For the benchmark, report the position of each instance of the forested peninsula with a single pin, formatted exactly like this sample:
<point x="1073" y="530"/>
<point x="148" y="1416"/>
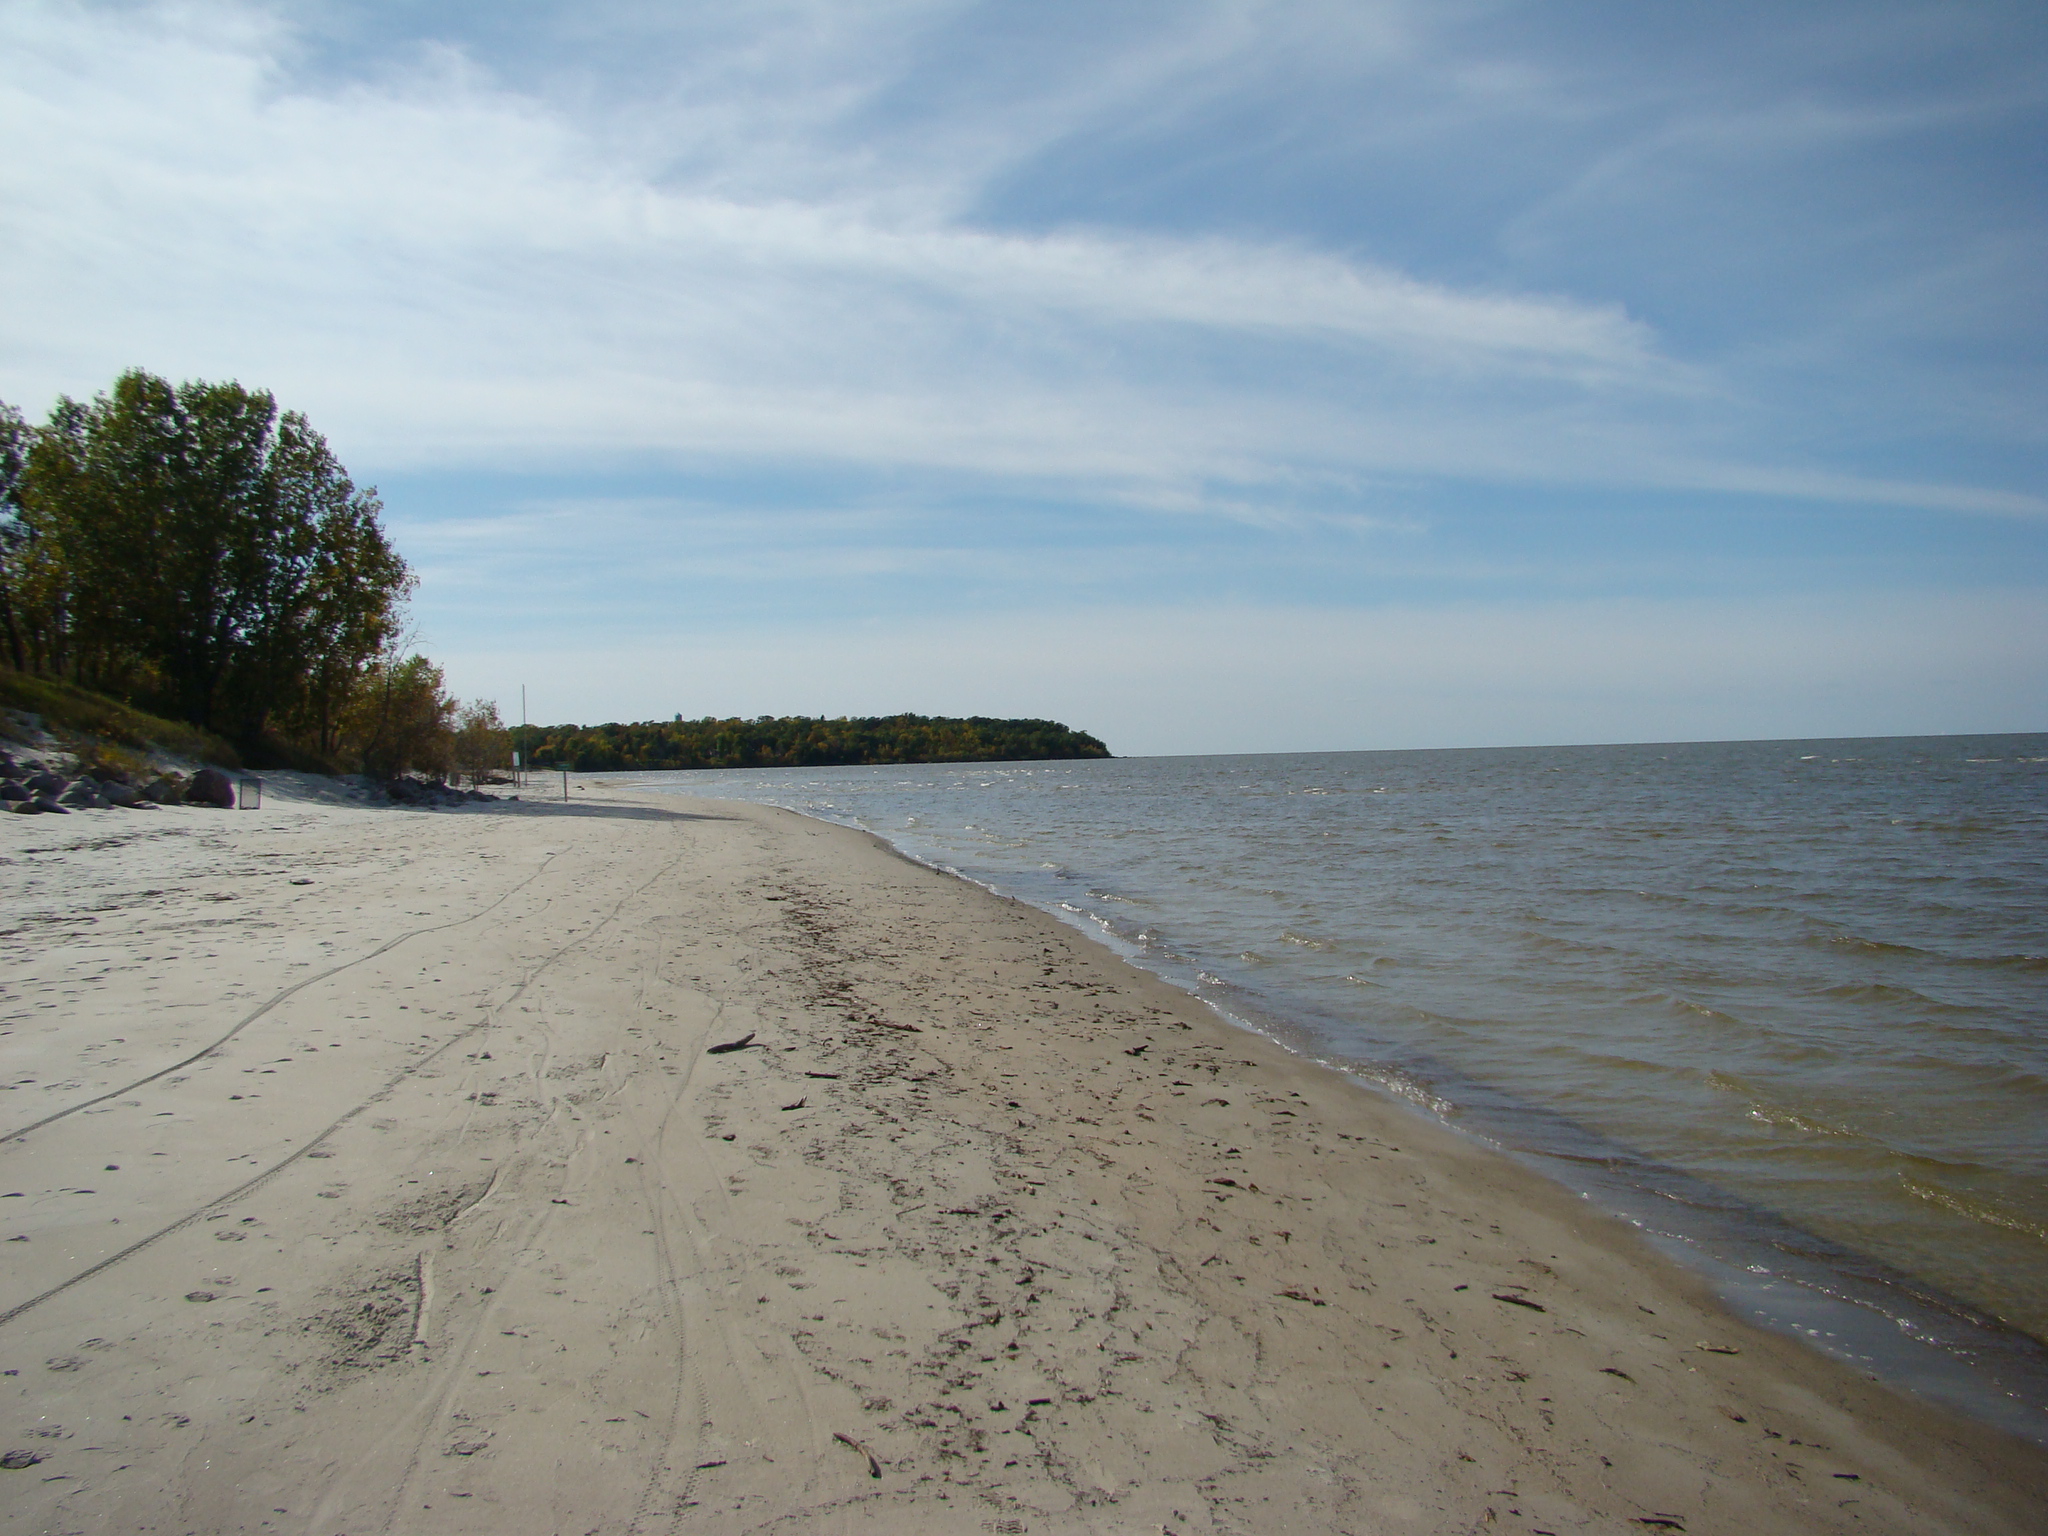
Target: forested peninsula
<point x="799" y="742"/>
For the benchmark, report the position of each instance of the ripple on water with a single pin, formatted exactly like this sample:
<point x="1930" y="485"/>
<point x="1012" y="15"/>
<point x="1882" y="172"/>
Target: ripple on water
<point x="1789" y="1119"/>
<point x="1849" y="943"/>
<point x="1988" y="1212"/>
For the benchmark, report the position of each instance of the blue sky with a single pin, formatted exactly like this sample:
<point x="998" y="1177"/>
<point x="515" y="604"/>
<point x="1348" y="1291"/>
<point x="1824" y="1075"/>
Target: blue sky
<point x="1217" y="375"/>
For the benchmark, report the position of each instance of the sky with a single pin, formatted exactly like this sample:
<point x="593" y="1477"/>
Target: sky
<point x="1214" y="375"/>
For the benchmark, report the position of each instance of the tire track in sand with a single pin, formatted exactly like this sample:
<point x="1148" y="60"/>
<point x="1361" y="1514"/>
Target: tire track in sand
<point x="441" y="1401"/>
<point x="391" y="1084"/>
<point x="289" y="992"/>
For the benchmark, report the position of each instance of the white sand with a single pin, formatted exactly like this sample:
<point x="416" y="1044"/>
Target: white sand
<point x="464" y="1230"/>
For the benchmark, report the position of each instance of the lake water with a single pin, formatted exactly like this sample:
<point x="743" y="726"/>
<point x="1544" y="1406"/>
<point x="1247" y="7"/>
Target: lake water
<point x="1782" y="1004"/>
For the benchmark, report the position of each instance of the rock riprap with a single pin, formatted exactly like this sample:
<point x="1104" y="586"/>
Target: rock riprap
<point x="210" y="786"/>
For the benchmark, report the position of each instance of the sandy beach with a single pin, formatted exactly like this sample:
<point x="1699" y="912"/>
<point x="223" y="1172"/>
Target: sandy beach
<point x="981" y="1229"/>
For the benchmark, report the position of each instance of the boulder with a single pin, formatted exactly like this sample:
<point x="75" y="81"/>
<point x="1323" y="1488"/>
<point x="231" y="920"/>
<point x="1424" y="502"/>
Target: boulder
<point x="168" y="790"/>
<point x="48" y="807"/>
<point x="45" y="783"/>
<point x="14" y="789"/>
<point x="120" y="794"/>
<point x="24" y="807"/>
<point x="83" y="795"/>
<point x="210" y="786"/>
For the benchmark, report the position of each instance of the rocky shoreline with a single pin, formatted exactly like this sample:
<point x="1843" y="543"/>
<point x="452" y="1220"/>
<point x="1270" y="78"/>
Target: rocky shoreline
<point x="50" y="778"/>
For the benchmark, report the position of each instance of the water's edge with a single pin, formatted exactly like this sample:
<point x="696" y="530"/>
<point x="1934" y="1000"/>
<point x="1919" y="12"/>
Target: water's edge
<point x="1856" y="1310"/>
<point x="1846" y="1305"/>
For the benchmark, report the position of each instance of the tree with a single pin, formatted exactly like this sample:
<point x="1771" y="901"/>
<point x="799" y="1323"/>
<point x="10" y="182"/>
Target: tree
<point x="193" y="544"/>
<point x="482" y="743"/>
<point x="399" y="717"/>
<point x="325" y="601"/>
<point x="21" y="617"/>
<point x="15" y="435"/>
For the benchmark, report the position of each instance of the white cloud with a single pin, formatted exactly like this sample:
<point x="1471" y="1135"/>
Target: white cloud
<point x="441" y="269"/>
<point x="663" y="247"/>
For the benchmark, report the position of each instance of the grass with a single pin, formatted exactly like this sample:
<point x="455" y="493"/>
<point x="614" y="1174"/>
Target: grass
<point x="84" y="718"/>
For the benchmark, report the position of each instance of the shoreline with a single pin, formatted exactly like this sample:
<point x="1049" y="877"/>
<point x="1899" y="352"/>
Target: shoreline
<point x="981" y="1208"/>
<point x="1858" y="1311"/>
<point x="1861" y="1310"/>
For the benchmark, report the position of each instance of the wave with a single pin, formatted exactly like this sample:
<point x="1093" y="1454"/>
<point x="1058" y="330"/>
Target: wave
<point x="1891" y="994"/>
<point x="1790" y="1119"/>
<point x="1134" y="901"/>
<point x="1982" y="1211"/>
<point x="1851" y="944"/>
<point x="1686" y="1008"/>
<point x="1305" y="941"/>
<point x="1982" y="1083"/>
<point x="2024" y="963"/>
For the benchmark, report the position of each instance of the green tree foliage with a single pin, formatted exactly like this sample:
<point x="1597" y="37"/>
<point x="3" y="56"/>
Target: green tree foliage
<point x="192" y="547"/>
<point x="400" y="718"/>
<point x="32" y="591"/>
<point x="15" y="437"/>
<point x="799" y="741"/>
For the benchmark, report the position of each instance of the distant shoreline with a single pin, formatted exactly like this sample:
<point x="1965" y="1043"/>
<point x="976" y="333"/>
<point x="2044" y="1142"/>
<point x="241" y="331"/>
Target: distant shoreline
<point x="799" y="741"/>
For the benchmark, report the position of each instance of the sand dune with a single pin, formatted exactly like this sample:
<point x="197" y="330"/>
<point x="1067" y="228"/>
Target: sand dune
<point x="380" y="1175"/>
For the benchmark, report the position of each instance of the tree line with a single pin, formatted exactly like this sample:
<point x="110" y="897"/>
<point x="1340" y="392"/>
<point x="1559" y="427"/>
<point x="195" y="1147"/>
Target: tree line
<point x="194" y="551"/>
<point x="798" y="742"/>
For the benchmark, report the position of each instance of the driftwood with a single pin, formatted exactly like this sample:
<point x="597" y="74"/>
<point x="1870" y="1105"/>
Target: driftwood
<point x="874" y="1466"/>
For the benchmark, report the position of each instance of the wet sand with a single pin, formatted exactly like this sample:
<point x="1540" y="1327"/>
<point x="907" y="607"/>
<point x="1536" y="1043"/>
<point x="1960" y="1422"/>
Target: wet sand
<point x="394" y="1184"/>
